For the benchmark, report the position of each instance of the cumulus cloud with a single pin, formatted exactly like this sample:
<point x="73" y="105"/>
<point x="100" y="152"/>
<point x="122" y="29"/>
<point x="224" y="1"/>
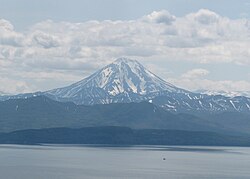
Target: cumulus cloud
<point x="202" y="37"/>
<point x="11" y="86"/>
<point x="211" y="85"/>
<point x="8" y="36"/>
<point x="162" y="16"/>
<point x="45" y="40"/>
<point x="4" y="24"/>
<point x="195" y="73"/>
<point x="196" y="79"/>
<point x="205" y="16"/>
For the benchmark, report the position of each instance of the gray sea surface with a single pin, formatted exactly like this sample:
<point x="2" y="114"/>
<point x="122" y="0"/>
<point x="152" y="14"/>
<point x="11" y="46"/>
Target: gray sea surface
<point x="99" y="161"/>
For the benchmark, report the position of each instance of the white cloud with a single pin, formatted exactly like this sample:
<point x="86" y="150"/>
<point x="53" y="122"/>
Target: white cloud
<point x="196" y="79"/>
<point x="211" y="85"/>
<point x="202" y="37"/>
<point x="4" y="24"/>
<point x="162" y="16"/>
<point x="8" y="36"/>
<point x="10" y="86"/>
<point x="207" y="17"/>
<point x="195" y="73"/>
<point x="45" y="40"/>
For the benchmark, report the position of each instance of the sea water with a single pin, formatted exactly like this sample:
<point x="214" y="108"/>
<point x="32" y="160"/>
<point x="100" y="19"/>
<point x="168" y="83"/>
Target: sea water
<point x="80" y="162"/>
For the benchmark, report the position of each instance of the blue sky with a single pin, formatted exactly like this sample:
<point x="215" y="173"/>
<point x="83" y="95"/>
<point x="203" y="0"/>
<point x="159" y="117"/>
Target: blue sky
<point x="193" y="44"/>
<point x="23" y="13"/>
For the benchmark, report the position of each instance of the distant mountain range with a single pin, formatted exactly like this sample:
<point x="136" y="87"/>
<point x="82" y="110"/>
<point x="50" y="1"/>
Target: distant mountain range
<point x="225" y="93"/>
<point x="126" y="80"/>
<point x="43" y="112"/>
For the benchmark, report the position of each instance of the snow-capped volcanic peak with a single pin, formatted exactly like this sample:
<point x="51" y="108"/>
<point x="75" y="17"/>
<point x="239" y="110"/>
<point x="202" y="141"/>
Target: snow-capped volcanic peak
<point x="125" y="75"/>
<point x="122" y="76"/>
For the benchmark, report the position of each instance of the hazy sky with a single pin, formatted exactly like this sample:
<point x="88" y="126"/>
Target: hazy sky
<point x="193" y="44"/>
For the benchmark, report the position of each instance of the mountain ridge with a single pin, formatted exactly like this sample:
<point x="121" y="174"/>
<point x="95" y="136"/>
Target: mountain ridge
<point x="42" y="112"/>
